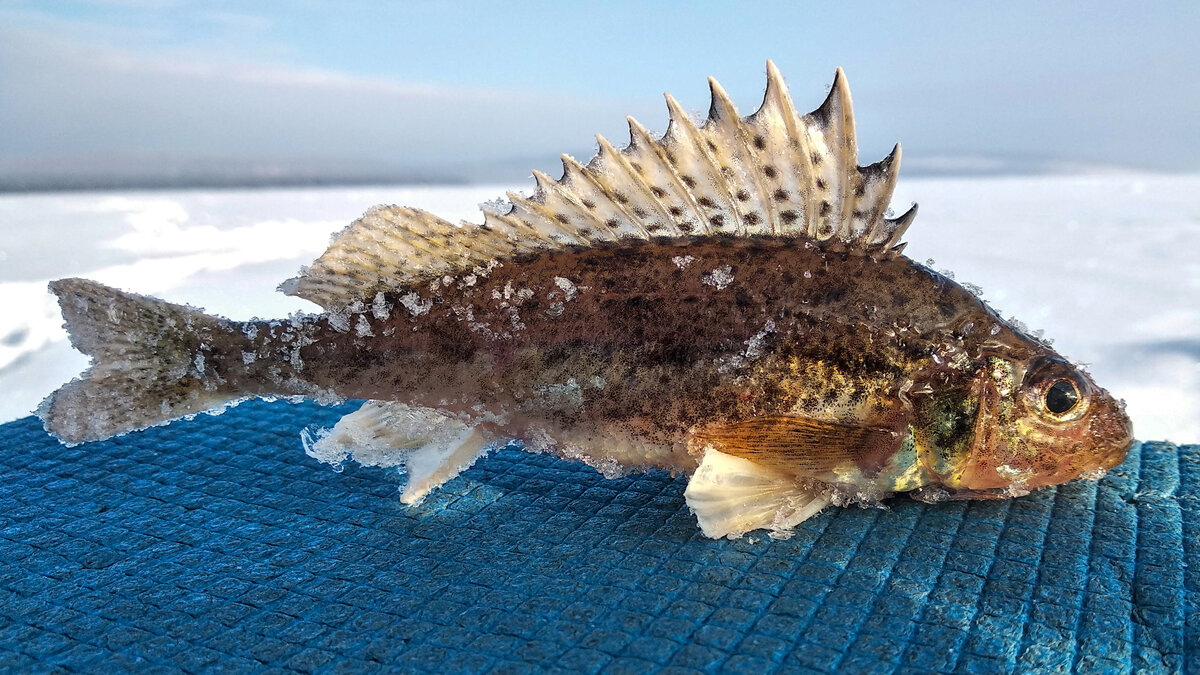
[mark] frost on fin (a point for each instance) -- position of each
(152, 362)
(774, 173)
(432, 446)
(733, 495)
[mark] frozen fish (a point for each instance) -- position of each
(729, 302)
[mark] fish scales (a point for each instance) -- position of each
(727, 302)
(636, 315)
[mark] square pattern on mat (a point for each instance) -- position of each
(216, 542)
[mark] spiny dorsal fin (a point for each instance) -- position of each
(774, 173)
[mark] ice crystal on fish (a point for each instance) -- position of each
(568, 288)
(414, 303)
(719, 278)
(380, 308)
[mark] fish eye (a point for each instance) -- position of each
(1061, 397)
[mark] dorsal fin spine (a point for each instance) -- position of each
(777, 99)
(723, 119)
(721, 106)
(775, 172)
(800, 151)
(662, 152)
(565, 205)
(574, 171)
(898, 226)
(608, 154)
(877, 182)
(630, 174)
(598, 230)
(556, 230)
(828, 123)
(683, 130)
(729, 125)
(641, 140)
(847, 152)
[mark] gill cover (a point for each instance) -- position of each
(1038, 422)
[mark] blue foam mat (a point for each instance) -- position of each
(217, 544)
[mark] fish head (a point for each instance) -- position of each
(1040, 421)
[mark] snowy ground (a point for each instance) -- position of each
(1107, 265)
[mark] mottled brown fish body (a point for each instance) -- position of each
(728, 301)
(655, 339)
(640, 310)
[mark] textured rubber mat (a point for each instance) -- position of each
(216, 543)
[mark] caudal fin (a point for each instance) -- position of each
(152, 362)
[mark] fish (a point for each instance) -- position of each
(729, 302)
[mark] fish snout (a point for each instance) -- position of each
(1112, 431)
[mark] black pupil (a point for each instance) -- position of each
(1061, 397)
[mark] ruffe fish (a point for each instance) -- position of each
(729, 301)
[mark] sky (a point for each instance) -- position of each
(461, 91)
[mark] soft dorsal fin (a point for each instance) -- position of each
(773, 173)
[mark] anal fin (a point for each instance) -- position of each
(732, 495)
(432, 446)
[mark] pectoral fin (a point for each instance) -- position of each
(732, 495)
(774, 472)
(806, 448)
(433, 446)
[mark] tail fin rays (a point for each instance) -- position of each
(152, 362)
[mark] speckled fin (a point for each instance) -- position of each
(733, 495)
(804, 447)
(152, 362)
(774, 173)
(432, 446)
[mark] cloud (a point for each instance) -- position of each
(75, 103)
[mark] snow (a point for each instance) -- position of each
(1105, 264)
